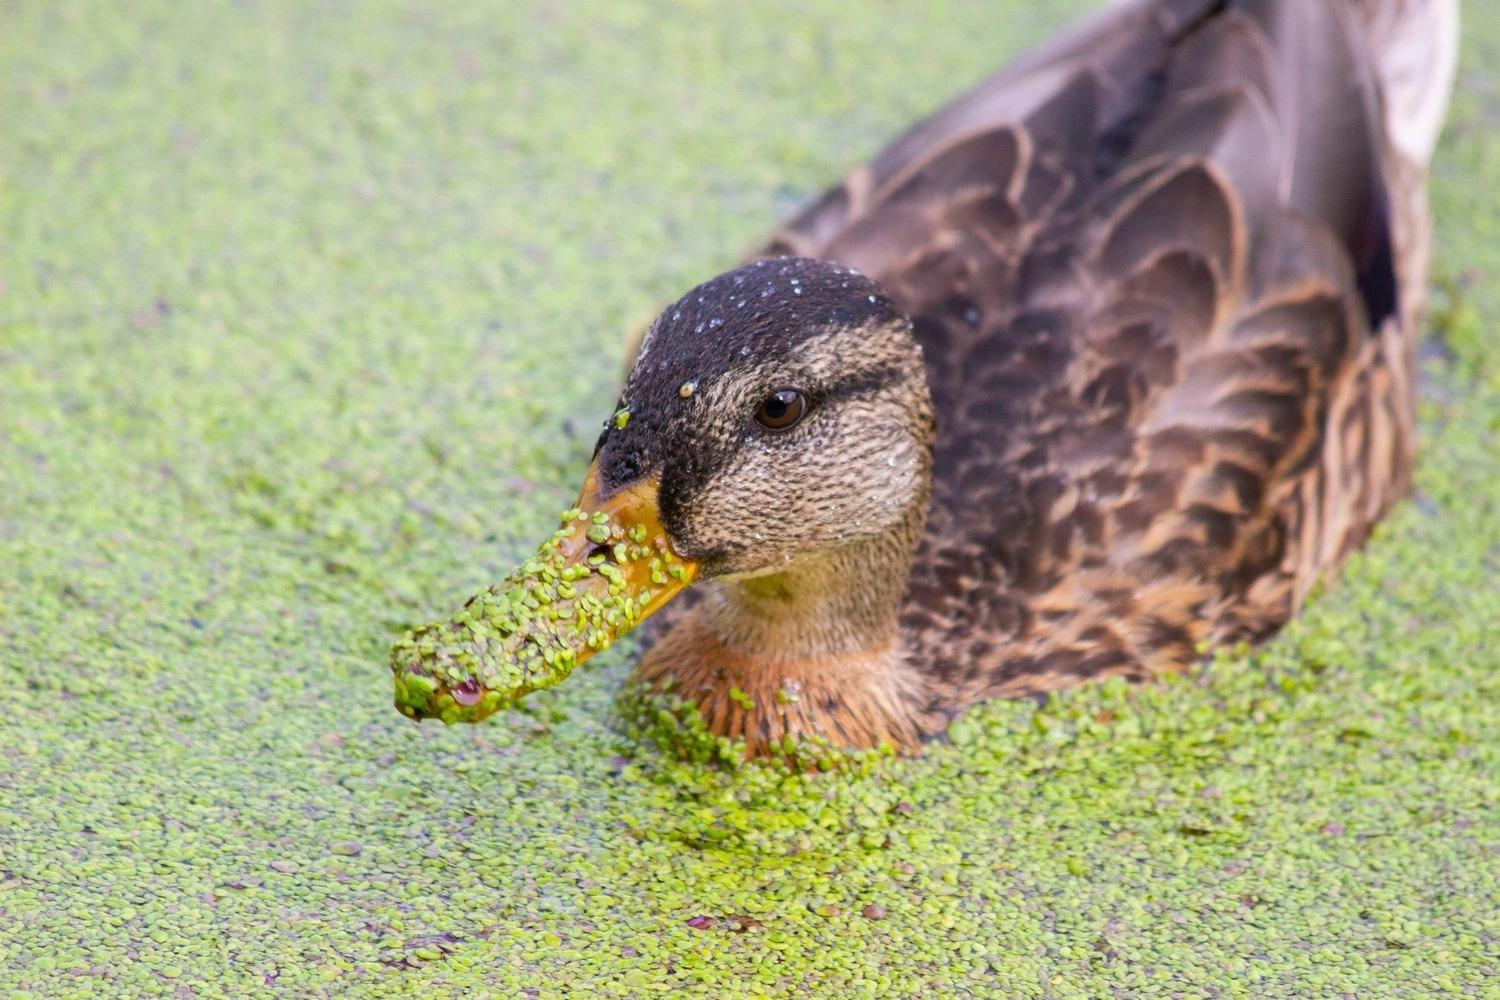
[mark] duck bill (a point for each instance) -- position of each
(610, 567)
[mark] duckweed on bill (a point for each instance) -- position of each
(529, 632)
(307, 317)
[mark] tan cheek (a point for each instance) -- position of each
(753, 504)
(854, 480)
(784, 502)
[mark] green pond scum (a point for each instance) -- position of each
(308, 314)
(588, 584)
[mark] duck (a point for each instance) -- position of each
(1104, 365)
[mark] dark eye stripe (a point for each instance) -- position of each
(864, 383)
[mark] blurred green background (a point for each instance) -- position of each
(307, 316)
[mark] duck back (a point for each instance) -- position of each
(1166, 274)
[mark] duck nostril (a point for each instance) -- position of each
(627, 467)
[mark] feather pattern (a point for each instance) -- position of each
(1166, 278)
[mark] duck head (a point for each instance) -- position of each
(782, 410)
(773, 442)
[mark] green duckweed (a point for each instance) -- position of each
(308, 314)
(529, 632)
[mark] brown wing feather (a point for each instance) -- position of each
(1154, 286)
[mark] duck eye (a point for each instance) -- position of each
(781, 409)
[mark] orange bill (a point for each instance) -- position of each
(607, 569)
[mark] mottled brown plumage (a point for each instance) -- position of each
(1165, 276)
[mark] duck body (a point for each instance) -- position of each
(1166, 276)
(1106, 362)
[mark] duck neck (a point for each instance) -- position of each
(839, 603)
(814, 649)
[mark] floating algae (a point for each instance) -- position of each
(591, 582)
